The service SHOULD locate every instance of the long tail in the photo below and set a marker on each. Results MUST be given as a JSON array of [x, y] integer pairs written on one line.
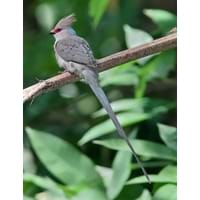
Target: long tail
[[92, 79]]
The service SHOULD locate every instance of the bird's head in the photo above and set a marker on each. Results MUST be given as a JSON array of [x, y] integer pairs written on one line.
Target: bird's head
[[63, 24]]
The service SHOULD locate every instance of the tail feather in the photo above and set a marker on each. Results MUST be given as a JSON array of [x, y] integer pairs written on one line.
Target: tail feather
[[91, 78]]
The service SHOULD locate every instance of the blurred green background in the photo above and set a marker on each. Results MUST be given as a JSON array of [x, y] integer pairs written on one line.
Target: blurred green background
[[71, 150]]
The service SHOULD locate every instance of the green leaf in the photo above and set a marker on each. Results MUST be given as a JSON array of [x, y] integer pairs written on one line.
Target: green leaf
[[90, 194], [153, 178], [96, 10], [106, 174], [142, 147], [166, 192], [157, 68], [136, 37], [45, 15], [62, 159], [166, 175], [138, 105], [29, 165], [146, 195], [152, 164], [170, 171], [129, 192], [135, 105], [42, 182], [28, 198], [162, 18], [125, 74], [160, 66], [168, 135], [121, 171], [141, 87], [107, 126], [50, 196], [123, 79]]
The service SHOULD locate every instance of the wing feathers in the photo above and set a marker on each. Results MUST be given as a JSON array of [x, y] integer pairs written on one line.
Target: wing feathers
[[75, 49]]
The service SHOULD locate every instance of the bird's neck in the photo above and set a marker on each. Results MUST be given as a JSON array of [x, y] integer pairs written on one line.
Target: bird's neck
[[65, 33]]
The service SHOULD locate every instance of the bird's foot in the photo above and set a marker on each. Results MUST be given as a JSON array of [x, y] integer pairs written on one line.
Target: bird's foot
[[61, 72], [39, 80], [43, 81]]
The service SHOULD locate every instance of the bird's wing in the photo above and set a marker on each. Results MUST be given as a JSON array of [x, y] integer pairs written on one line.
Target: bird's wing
[[75, 49]]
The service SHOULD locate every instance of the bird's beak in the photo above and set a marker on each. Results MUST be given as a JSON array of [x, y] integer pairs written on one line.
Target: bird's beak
[[52, 31]]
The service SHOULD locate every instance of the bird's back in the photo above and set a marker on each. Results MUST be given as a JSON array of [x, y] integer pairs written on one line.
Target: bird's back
[[75, 49]]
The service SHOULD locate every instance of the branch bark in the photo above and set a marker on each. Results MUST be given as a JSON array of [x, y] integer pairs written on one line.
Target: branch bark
[[158, 45]]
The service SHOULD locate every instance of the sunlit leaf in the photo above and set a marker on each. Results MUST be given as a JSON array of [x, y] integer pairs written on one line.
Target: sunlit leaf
[[166, 175], [142, 147], [146, 195], [62, 159], [42, 182], [45, 15], [106, 174], [136, 37], [157, 68], [170, 171], [107, 126], [123, 105], [153, 178], [125, 74], [125, 78], [141, 87], [138, 105], [168, 135], [166, 192], [96, 9], [164, 19], [90, 194], [121, 171], [49, 195], [160, 66]]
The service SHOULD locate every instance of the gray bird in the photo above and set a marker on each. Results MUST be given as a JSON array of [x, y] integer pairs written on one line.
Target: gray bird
[[73, 53]]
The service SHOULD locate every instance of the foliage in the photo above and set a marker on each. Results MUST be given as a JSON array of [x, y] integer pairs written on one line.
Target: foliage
[[71, 150]]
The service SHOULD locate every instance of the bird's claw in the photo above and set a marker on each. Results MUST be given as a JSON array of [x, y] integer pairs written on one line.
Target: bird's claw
[[61, 72], [39, 80]]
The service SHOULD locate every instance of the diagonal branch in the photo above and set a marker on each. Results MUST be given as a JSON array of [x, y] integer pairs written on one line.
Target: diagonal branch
[[158, 45]]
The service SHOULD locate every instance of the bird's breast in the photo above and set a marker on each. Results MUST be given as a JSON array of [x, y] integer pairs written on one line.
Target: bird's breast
[[71, 67]]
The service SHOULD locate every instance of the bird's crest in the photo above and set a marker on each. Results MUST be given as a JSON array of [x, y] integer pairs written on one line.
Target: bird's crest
[[66, 22]]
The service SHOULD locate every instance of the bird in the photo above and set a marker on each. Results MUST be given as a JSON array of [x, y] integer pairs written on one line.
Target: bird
[[74, 55]]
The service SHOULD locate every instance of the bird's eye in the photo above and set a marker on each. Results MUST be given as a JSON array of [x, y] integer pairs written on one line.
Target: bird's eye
[[57, 30]]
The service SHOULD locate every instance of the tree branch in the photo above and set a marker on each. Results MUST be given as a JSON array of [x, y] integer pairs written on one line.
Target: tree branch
[[161, 44]]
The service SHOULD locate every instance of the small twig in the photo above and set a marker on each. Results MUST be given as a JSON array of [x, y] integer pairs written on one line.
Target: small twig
[[161, 44]]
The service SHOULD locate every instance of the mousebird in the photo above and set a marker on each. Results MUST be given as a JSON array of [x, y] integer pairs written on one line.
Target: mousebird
[[74, 55]]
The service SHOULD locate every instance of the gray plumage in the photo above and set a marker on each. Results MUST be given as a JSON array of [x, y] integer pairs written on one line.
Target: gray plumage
[[75, 49], [73, 53], [66, 21]]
